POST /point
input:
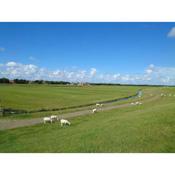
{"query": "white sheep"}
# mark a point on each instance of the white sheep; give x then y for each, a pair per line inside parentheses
(47, 119)
(138, 103)
(99, 105)
(54, 117)
(94, 110)
(64, 122)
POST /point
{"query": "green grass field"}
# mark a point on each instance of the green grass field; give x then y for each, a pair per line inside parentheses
(35, 97)
(149, 128)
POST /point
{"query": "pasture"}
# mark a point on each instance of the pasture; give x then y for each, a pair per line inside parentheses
(147, 128)
(38, 97)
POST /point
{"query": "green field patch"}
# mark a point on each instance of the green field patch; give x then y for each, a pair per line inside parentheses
(146, 128)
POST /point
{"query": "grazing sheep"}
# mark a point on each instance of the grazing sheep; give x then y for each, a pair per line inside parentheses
(138, 103)
(64, 122)
(132, 103)
(98, 105)
(47, 119)
(54, 117)
(94, 110)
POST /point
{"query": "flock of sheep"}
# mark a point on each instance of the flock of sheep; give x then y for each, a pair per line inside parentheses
(164, 95)
(95, 109)
(64, 122)
(137, 103)
(54, 118)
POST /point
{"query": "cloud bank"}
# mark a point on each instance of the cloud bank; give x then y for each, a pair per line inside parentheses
(151, 75)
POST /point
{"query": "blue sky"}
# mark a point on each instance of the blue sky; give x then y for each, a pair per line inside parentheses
(100, 49)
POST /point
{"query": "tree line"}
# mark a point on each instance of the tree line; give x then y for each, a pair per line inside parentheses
(23, 81)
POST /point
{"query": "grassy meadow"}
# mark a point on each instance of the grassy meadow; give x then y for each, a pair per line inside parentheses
(36, 97)
(148, 128)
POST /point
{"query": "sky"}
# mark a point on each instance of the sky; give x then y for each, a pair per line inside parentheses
(128, 53)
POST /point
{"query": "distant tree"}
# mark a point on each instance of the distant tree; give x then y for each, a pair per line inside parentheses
(4, 80)
(57, 82)
(109, 84)
(38, 81)
(21, 81)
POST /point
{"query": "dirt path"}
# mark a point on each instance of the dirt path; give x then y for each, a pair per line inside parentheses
(10, 124)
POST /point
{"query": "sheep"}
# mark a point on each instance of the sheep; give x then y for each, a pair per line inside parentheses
(101, 105)
(138, 103)
(98, 105)
(161, 94)
(64, 122)
(132, 103)
(47, 119)
(54, 117)
(94, 110)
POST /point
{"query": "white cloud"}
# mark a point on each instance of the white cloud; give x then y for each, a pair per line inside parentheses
(172, 32)
(116, 76)
(152, 75)
(32, 72)
(150, 69)
(93, 72)
(11, 64)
